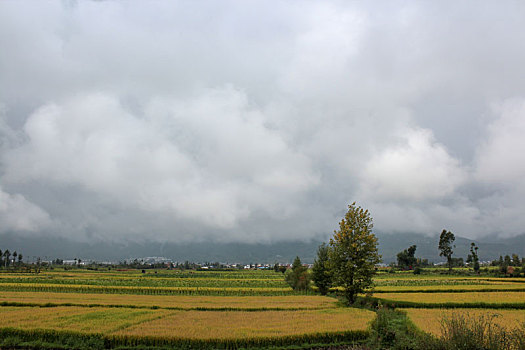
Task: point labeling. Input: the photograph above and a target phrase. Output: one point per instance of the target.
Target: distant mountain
(49, 248)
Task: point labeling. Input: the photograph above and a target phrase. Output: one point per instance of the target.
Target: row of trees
(406, 259)
(6, 258)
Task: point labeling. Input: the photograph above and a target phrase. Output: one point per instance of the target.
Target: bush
(392, 329)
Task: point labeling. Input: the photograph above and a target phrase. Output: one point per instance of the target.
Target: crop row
(148, 282)
(492, 300)
(451, 288)
(184, 302)
(144, 290)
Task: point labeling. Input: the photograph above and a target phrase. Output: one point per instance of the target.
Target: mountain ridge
(49, 248)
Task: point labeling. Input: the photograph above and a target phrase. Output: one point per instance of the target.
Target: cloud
(19, 214)
(255, 122)
(210, 160)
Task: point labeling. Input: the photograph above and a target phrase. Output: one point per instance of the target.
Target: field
(430, 300)
(227, 309)
(171, 308)
(429, 320)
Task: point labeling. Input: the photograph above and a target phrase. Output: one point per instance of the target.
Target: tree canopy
(353, 253)
(320, 272)
(445, 246)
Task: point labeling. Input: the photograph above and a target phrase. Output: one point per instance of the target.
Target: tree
(298, 278)
(7, 254)
(515, 260)
(473, 257)
(20, 257)
(320, 272)
(445, 246)
(353, 253)
(406, 258)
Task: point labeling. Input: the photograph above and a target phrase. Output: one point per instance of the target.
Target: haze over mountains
(282, 252)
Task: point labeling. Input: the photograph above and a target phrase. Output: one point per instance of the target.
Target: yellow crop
(186, 324)
(470, 297)
(429, 320)
(173, 301)
(239, 324)
(81, 319)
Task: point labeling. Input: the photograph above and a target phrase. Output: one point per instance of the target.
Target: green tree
(445, 246)
(515, 260)
(407, 258)
(353, 253)
(7, 254)
(20, 257)
(298, 278)
(320, 272)
(473, 257)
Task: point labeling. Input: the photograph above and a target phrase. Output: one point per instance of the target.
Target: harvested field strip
(451, 288)
(238, 325)
(181, 302)
(58, 288)
(456, 300)
(429, 320)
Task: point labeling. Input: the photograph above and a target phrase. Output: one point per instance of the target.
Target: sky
(260, 121)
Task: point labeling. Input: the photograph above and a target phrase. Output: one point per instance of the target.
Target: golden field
(470, 297)
(429, 320)
(234, 324)
(187, 324)
(173, 301)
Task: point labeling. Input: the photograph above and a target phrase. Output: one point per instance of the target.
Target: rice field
(475, 298)
(204, 324)
(292, 302)
(429, 320)
(227, 309)
(131, 308)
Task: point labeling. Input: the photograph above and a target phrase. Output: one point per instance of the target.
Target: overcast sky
(260, 121)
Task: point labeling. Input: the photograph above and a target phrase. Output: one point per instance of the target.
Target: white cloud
(19, 214)
(417, 168)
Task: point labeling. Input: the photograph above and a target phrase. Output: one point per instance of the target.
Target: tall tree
(445, 246)
(7, 254)
(353, 252)
(20, 257)
(320, 272)
(474, 256)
